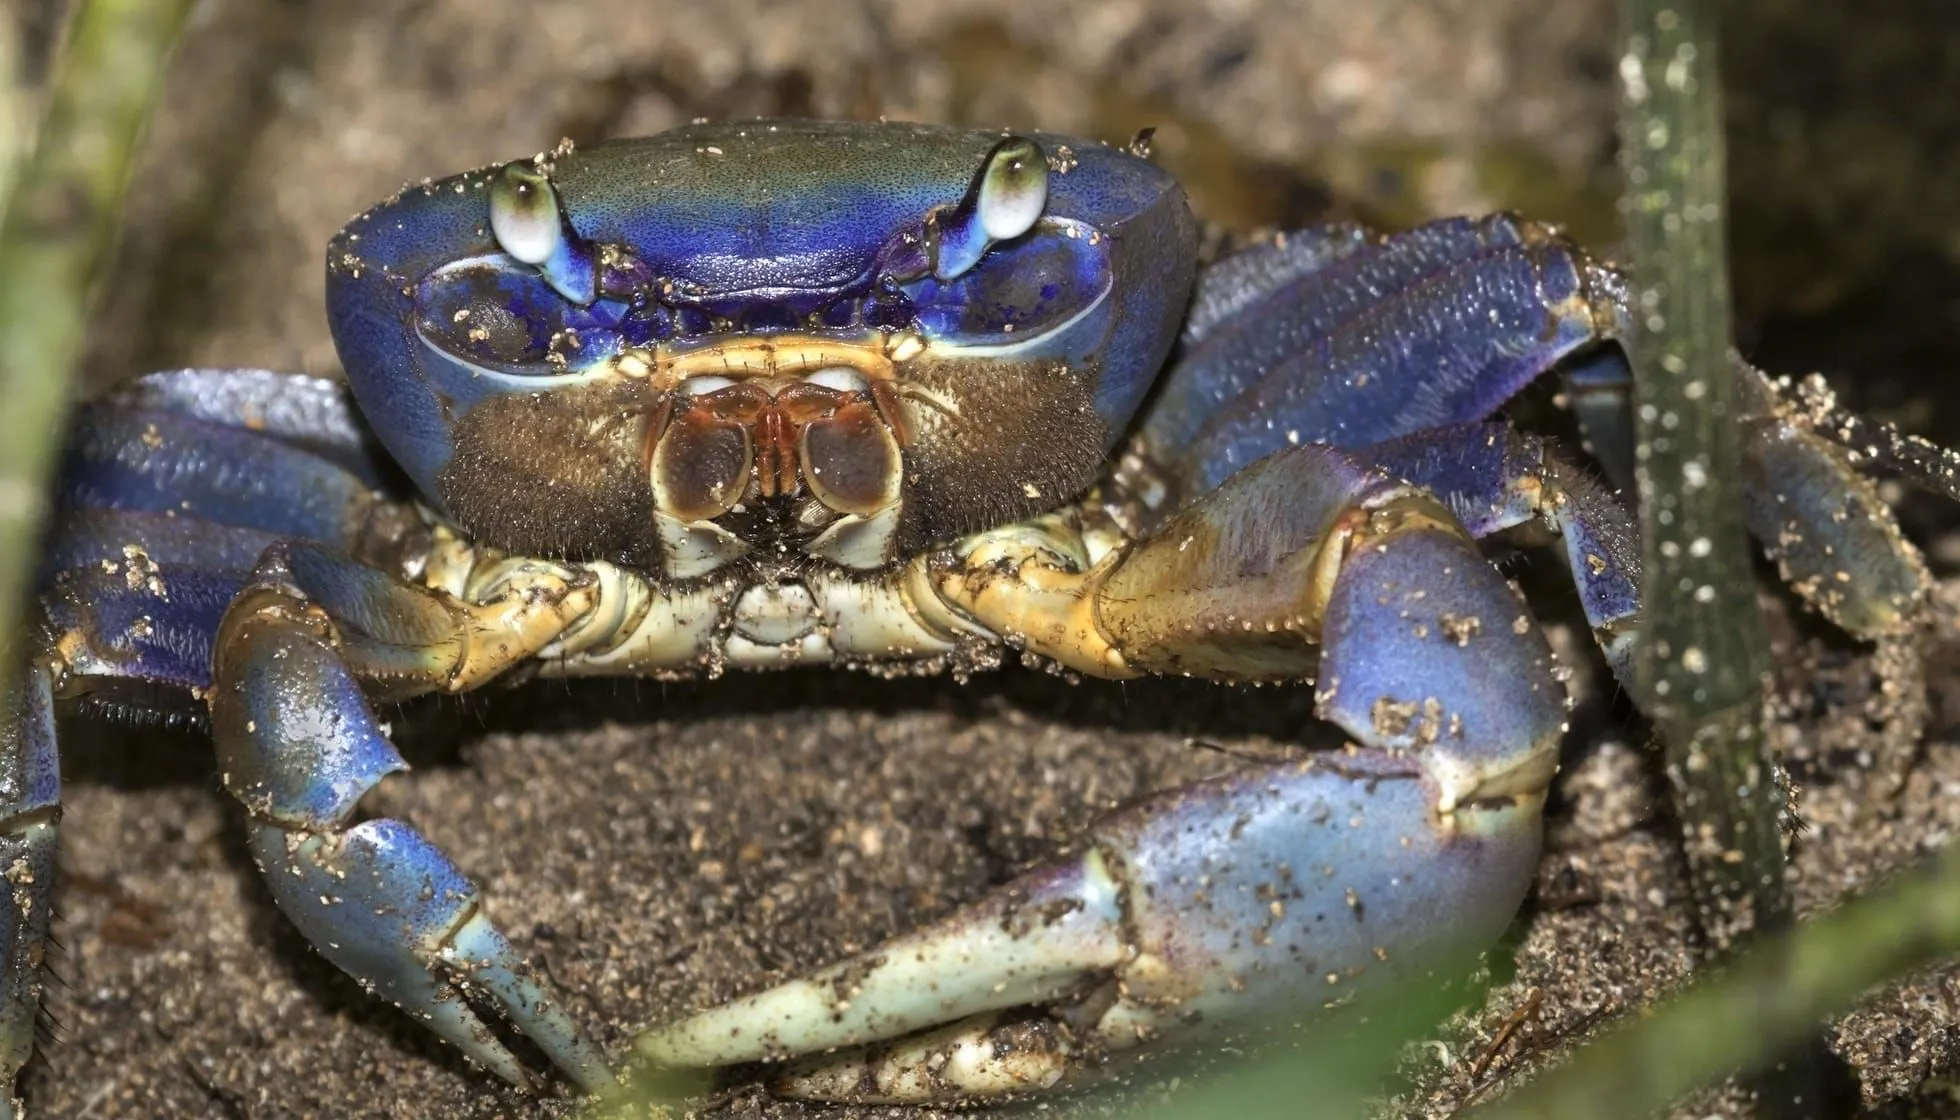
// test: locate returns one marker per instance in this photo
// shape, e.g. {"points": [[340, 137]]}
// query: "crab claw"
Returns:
{"points": [[299, 747], [1280, 888], [1273, 888]]}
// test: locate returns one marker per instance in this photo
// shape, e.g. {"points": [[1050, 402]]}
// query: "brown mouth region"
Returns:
{"points": [[742, 422]]}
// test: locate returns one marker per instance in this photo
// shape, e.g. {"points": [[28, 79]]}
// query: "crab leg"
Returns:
{"points": [[1500, 481], [115, 623], [1826, 526], [30, 807], [1834, 537], [180, 496], [1337, 337], [299, 747], [158, 462], [169, 493], [1599, 391], [1280, 887], [204, 469], [1351, 340]]}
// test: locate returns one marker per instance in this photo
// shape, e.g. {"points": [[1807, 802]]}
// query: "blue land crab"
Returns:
{"points": [[773, 393]]}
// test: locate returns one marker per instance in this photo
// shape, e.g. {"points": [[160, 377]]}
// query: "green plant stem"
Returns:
{"points": [[16, 105], [1701, 661], [1701, 658], [56, 237]]}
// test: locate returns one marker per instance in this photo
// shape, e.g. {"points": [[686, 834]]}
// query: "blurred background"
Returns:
{"points": [[659, 846]]}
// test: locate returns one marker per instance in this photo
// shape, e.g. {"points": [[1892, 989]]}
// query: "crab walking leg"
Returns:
{"points": [[1599, 391], [109, 621], [311, 414], [1501, 481], [1352, 341], [1840, 548], [1281, 887], [1835, 538], [30, 806], [299, 747], [135, 606], [158, 462]]}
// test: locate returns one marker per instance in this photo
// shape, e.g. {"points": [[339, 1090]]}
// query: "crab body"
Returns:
{"points": [[770, 336], [897, 397]]}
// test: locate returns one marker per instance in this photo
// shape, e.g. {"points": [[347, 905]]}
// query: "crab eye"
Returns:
{"points": [[529, 224], [1005, 201], [524, 214], [1013, 189]]}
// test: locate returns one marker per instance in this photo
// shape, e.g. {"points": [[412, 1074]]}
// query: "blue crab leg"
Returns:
{"points": [[1238, 283], [312, 414], [207, 468], [299, 747], [175, 489], [1836, 540], [134, 582], [1436, 326], [1280, 887], [121, 617], [1599, 390], [30, 809], [1839, 547], [165, 513], [138, 621], [1501, 481], [1832, 535], [91, 537], [161, 462], [1871, 444]]}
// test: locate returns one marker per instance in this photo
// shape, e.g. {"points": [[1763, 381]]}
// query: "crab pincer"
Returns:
{"points": [[299, 747], [1281, 887]]}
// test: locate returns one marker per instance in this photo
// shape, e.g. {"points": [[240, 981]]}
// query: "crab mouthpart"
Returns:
{"points": [[761, 419]]}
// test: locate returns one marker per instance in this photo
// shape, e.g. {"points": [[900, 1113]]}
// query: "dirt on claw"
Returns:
{"points": [[655, 847]]}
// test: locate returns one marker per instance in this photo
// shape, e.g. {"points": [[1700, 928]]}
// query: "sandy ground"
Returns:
{"points": [[658, 847]]}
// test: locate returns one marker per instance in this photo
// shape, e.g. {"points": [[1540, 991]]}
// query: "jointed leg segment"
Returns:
{"points": [[299, 746], [30, 808]]}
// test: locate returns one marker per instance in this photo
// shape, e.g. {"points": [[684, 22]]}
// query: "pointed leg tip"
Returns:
{"points": [[487, 958], [449, 1017]]}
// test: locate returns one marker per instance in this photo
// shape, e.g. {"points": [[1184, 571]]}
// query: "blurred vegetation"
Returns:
{"points": [[62, 213]]}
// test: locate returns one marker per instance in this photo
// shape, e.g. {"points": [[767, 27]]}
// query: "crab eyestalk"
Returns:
{"points": [[530, 225], [1004, 202]]}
